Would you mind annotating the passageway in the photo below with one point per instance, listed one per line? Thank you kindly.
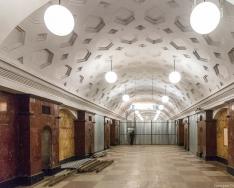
(151, 167)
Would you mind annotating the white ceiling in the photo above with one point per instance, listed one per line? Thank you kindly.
(142, 37)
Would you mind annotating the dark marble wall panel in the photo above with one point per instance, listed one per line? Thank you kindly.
(230, 121)
(8, 136)
(108, 123)
(32, 122)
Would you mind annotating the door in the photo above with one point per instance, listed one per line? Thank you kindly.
(46, 147)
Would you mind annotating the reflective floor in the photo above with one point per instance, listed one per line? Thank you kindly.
(152, 167)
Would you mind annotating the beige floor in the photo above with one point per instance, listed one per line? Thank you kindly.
(152, 167)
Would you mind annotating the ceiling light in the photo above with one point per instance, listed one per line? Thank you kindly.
(205, 17)
(59, 20)
(160, 107)
(174, 77)
(165, 99)
(111, 77)
(125, 98)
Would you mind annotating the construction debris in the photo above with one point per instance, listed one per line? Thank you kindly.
(95, 165)
(59, 177)
(99, 154)
(75, 164)
(81, 166)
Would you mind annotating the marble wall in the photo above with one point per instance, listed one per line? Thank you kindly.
(8, 136)
(221, 125)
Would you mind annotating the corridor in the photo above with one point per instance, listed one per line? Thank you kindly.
(84, 77)
(151, 167)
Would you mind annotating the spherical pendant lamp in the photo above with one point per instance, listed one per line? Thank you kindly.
(161, 107)
(165, 99)
(59, 20)
(174, 77)
(125, 98)
(111, 77)
(205, 17)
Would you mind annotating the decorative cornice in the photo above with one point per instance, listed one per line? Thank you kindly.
(214, 100)
(17, 79)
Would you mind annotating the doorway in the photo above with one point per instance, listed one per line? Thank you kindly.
(46, 147)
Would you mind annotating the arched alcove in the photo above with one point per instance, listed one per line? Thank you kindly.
(66, 134)
(46, 147)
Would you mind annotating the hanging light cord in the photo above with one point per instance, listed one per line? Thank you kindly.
(152, 87)
(174, 65)
(111, 64)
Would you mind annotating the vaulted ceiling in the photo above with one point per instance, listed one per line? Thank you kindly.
(143, 37)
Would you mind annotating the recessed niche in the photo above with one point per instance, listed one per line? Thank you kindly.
(71, 41)
(87, 41)
(194, 40)
(140, 27)
(112, 31)
(82, 55)
(231, 55)
(124, 16)
(216, 69)
(21, 60)
(205, 78)
(41, 37)
(197, 55)
(217, 55)
(168, 30)
(43, 57)
(182, 23)
(16, 39)
(64, 56)
(94, 24)
(154, 16)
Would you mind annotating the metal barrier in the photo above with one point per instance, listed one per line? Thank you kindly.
(151, 132)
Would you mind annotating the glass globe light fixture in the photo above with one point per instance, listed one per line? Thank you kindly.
(125, 98)
(59, 20)
(165, 99)
(161, 107)
(205, 17)
(174, 77)
(111, 77)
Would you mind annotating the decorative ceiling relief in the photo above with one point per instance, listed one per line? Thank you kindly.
(71, 41)
(16, 40)
(154, 16)
(182, 23)
(143, 37)
(124, 16)
(43, 57)
(94, 24)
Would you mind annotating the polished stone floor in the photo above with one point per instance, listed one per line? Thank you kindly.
(152, 167)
